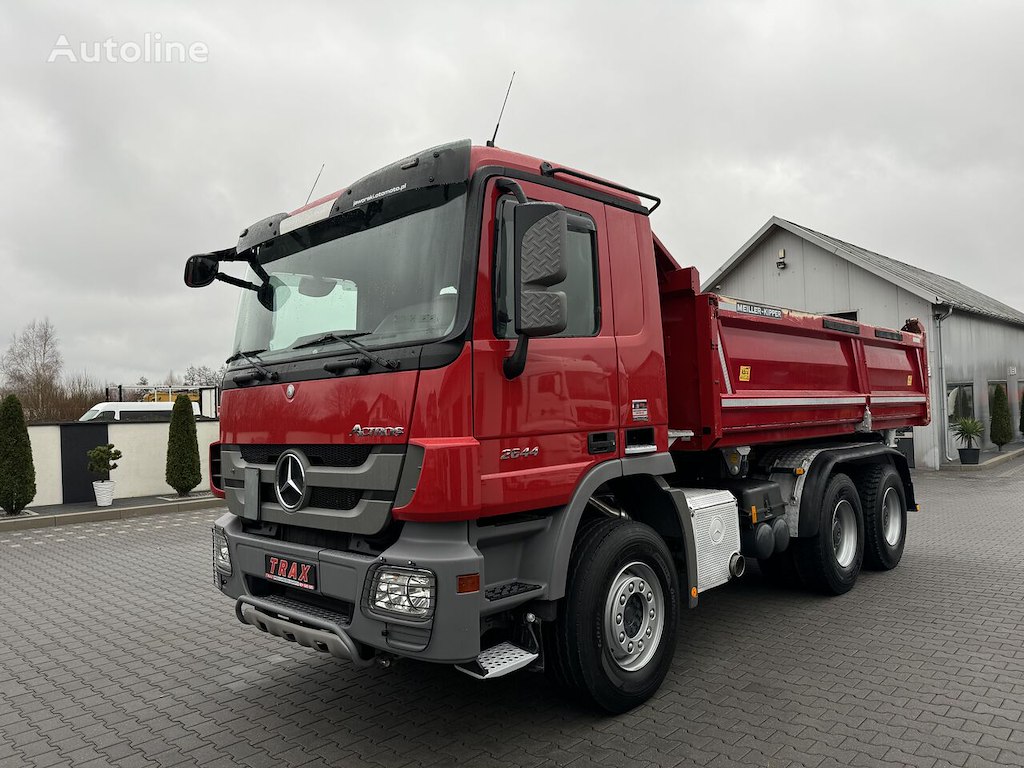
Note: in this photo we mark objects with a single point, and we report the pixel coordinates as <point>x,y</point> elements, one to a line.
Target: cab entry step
<point>498,661</point>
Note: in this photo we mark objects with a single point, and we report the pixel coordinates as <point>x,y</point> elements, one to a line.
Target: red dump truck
<point>477,415</point>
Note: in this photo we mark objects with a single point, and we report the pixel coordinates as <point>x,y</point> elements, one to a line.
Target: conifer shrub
<point>17,472</point>
<point>1001,428</point>
<point>183,468</point>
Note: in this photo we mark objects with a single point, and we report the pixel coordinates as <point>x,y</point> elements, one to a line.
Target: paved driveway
<point>115,648</point>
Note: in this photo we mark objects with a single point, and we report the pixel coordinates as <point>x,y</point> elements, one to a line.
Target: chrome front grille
<point>351,487</point>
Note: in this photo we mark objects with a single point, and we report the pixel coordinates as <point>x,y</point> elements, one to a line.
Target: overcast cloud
<point>898,126</point>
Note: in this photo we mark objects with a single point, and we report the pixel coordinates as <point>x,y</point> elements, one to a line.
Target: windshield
<point>388,272</point>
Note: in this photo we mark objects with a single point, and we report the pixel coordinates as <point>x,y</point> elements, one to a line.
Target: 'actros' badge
<point>360,431</point>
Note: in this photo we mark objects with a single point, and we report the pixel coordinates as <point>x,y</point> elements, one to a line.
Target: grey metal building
<point>975,343</point>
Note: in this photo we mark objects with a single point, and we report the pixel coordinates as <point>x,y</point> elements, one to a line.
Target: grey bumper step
<point>498,661</point>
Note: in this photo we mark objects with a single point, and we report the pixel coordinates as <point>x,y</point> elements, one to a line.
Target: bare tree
<point>80,392</point>
<point>203,376</point>
<point>32,365</point>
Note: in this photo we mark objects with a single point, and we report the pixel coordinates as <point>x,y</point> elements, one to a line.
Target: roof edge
<point>811,237</point>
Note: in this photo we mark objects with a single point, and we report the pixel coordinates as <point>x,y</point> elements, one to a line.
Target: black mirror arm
<point>261,273</point>
<point>507,185</point>
<point>514,365</point>
<point>237,282</point>
<point>230,254</point>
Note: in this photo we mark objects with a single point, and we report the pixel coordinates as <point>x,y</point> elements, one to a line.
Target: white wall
<point>141,471</point>
<point>46,458</point>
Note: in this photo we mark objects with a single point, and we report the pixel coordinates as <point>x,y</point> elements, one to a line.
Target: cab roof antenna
<point>314,183</point>
<point>498,124</point>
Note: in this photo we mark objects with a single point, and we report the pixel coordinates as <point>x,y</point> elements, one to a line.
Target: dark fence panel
<point>75,439</point>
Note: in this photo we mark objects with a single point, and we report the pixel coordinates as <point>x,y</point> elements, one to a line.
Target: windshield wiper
<point>349,339</point>
<point>252,357</point>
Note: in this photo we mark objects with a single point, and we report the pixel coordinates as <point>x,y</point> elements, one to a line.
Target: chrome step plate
<point>498,661</point>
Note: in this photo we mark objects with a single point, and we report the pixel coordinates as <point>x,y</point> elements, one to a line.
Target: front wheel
<point>615,635</point>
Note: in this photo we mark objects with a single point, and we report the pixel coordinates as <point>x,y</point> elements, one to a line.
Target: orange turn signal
<point>798,471</point>
<point>469,582</point>
<point>693,591</point>
<point>753,514</point>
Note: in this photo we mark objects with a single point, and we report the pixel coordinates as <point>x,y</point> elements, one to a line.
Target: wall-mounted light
<point>780,262</point>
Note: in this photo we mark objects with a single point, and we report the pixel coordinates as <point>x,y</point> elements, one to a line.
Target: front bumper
<point>293,621</point>
<point>337,617</point>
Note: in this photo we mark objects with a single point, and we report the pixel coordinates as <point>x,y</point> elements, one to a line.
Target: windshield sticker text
<point>375,195</point>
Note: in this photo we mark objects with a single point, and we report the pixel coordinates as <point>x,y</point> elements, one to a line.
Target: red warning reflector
<point>469,582</point>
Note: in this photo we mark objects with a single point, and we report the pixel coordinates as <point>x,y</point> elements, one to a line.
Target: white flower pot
<point>104,490</point>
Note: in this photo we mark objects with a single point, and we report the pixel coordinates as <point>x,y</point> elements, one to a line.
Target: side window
<point>580,284</point>
<point>959,401</point>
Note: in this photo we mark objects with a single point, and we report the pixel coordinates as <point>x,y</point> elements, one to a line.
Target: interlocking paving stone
<point>116,649</point>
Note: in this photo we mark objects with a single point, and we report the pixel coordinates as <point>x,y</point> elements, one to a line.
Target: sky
<point>895,125</point>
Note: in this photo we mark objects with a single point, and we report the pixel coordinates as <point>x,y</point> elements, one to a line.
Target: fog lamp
<point>406,592</point>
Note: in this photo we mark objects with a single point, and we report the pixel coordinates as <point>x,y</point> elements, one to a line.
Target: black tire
<point>578,653</point>
<point>557,659</point>
<point>882,495</point>
<point>780,570</point>
<point>817,558</point>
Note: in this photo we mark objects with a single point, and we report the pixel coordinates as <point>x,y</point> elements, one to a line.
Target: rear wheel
<point>830,561</point>
<point>885,516</point>
<point>615,635</point>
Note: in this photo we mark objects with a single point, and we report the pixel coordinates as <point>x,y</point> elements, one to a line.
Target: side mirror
<point>541,236</point>
<point>201,270</point>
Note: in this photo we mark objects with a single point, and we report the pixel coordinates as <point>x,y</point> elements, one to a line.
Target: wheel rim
<point>844,533</point>
<point>634,616</point>
<point>892,517</point>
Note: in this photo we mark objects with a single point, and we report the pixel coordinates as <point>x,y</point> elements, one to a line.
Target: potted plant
<point>102,460</point>
<point>967,430</point>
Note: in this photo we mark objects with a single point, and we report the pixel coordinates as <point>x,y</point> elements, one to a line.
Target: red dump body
<point>741,373</point>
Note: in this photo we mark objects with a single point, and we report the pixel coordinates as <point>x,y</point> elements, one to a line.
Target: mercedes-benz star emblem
<point>290,391</point>
<point>290,481</point>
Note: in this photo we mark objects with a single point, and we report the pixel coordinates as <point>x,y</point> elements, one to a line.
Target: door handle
<point>600,442</point>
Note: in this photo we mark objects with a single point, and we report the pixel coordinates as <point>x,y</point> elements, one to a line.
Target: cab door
<point>540,432</point>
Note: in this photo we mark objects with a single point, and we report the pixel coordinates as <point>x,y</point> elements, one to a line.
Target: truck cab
<point>445,431</point>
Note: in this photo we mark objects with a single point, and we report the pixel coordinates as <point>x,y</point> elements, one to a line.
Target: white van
<point>132,412</point>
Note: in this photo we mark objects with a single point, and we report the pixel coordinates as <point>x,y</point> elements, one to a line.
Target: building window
<point>959,402</point>
<point>580,284</point>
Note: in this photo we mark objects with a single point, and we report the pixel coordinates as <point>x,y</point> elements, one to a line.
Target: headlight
<point>407,592</point>
<point>221,553</point>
